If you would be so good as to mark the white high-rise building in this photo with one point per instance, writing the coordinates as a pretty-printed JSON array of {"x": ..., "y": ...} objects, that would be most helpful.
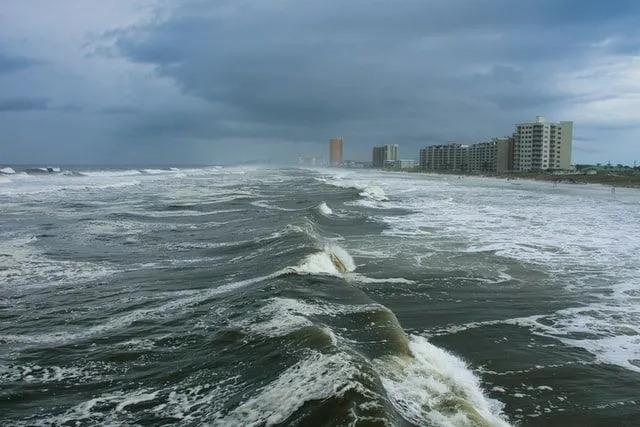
[{"x": 543, "y": 145}]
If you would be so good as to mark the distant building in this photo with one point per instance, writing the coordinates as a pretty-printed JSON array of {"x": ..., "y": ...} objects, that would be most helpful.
[
  {"x": 448, "y": 157},
  {"x": 493, "y": 156},
  {"x": 335, "y": 151},
  {"x": 543, "y": 145},
  {"x": 406, "y": 164},
  {"x": 355, "y": 164},
  {"x": 308, "y": 161},
  {"x": 385, "y": 155}
]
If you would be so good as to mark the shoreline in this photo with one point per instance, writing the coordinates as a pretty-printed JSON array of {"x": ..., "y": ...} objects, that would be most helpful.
[
  {"x": 610, "y": 179},
  {"x": 623, "y": 180}
]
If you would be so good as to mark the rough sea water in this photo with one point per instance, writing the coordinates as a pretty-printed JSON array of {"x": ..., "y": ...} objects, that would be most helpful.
[{"x": 262, "y": 296}]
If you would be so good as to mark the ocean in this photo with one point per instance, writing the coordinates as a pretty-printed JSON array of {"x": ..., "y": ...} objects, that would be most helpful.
[{"x": 257, "y": 296}]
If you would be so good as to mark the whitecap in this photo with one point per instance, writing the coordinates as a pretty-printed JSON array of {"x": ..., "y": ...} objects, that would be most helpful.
[
  {"x": 333, "y": 261},
  {"x": 317, "y": 377},
  {"x": 111, "y": 173},
  {"x": 434, "y": 387},
  {"x": 374, "y": 192},
  {"x": 324, "y": 209}
]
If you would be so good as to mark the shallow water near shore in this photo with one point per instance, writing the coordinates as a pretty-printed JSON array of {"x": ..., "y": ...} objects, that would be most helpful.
[{"x": 265, "y": 296}]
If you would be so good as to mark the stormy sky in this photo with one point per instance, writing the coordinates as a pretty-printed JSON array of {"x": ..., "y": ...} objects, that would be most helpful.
[{"x": 212, "y": 82}]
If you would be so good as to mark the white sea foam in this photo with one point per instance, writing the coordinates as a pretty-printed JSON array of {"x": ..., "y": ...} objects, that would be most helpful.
[
  {"x": 374, "y": 192},
  {"x": 8, "y": 171},
  {"x": 366, "y": 203},
  {"x": 189, "y": 404},
  {"x": 111, "y": 173},
  {"x": 135, "y": 399},
  {"x": 333, "y": 261},
  {"x": 609, "y": 331},
  {"x": 364, "y": 279},
  {"x": 369, "y": 190},
  {"x": 120, "y": 322},
  {"x": 270, "y": 206},
  {"x": 25, "y": 268},
  {"x": 590, "y": 253},
  {"x": 317, "y": 377},
  {"x": 199, "y": 402},
  {"x": 435, "y": 387},
  {"x": 175, "y": 213},
  {"x": 33, "y": 373},
  {"x": 281, "y": 316},
  {"x": 108, "y": 408},
  {"x": 155, "y": 171},
  {"x": 324, "y": 209}
]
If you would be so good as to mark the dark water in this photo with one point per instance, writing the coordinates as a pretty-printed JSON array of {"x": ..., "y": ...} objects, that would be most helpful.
[{"x": 263, "y": 296}]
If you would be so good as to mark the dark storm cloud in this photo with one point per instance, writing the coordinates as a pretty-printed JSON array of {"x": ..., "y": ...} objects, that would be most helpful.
[
  {"x": 119, "y": 109},
  {"x": 412, "y": 72},
  {"x": 69, "y": 107},
  {"x": 9, "y": 64},
  {"x": 23, "y": 104},
  {"x": 501, "y": 73},
  {"x": 356, "y": 65}
]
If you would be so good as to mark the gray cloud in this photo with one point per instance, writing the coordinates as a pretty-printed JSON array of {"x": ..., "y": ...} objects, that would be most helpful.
[
  {"x": 287, "y": 75},
  {"x": 501, "y": 73},
  {"x": 350, "y": 66},
  {"x": 24, "y": 104},
  {"x": 9, "y": 64},
  {"x": 119, "y": 109}
]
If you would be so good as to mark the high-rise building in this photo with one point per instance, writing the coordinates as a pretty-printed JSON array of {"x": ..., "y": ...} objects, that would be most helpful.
[
  {"x": 493, "y": 156},
  {"x": 335, "y": 151},
  {"x": 543, "y": 145},
  {"x": 385, "y": 155},
  {"x": 448, "y": 157}
]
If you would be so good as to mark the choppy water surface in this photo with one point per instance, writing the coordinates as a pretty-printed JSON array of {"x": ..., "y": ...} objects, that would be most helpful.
[{"x": 263, "y": 296}]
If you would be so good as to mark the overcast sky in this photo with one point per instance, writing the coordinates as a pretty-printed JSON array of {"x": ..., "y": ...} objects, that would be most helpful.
[{"x": 174, "y": 82}]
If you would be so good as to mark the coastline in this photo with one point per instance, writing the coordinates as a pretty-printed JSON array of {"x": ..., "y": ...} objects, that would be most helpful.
[{"x": 626, "y": 179}]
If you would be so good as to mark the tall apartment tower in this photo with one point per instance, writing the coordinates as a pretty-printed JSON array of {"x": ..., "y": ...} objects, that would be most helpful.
[
  {"x": 448, "y": 157},
  {"x": 385, "y": 155},
  {"x": 493, "y": 156},
  {"x": 543, "y": 145},
  {"x": 335, "y": 151}
]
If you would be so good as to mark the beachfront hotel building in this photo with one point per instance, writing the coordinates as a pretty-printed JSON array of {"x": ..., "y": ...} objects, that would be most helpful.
[
  {"x": 493, "y": 156},
  {"x": 542, "y": 145},
  {"x": 335, "y": 151},
  {"x": 448, "y": 157},
  {"x": 385, "y": 155},
  {"x": 539, "y": 145}
]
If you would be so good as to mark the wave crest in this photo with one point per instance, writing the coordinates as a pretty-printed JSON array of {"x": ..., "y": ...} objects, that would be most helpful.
[
  {"x": 436, "y": 387},
  {"x": 374, "y": 192},
  {"x": 7, "y": 171},
  {"x": 324, "y": 209},
  {"x": 332, "y": 261}
]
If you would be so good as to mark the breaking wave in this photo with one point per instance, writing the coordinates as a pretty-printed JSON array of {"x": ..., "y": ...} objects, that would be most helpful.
[
  {"x": 367, "y": 190},
  {"x": 7, "y": 171},
  {"x": 437, "y": 388},
  {"x": 324, "y": 209},
  {"x": 332, "y": 260}
]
